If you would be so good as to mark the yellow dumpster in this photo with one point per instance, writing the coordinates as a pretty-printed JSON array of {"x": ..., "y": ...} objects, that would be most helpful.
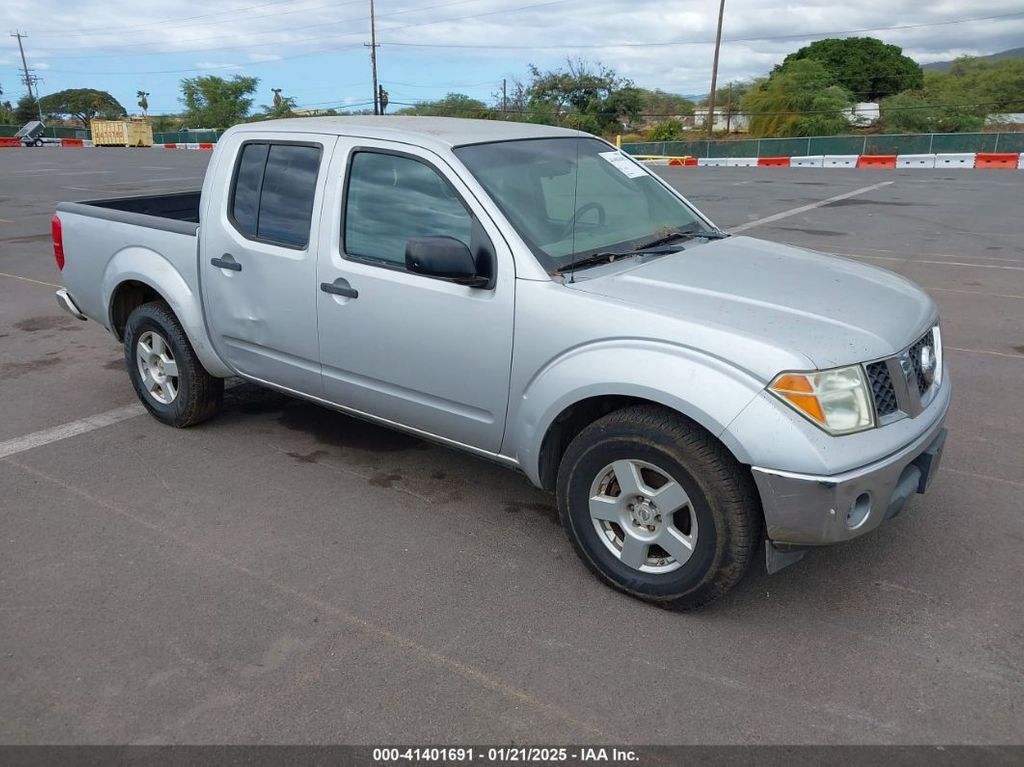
[{"x": 121, "y": 133}]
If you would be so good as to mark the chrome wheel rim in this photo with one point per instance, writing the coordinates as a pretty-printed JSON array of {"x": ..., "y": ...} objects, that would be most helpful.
[
  {"x": 643, "y": 516},
  {"x": 157, "y": 367}
]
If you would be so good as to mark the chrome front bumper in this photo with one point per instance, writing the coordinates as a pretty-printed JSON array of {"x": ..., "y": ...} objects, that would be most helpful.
[
  {"x": 810, "y": 510},
  {"x": 67, "y": 303}
]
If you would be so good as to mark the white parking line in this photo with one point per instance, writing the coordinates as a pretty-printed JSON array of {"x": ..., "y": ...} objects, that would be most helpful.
[
  {"x": 805, "y": 208},
  {"x": 910, "y": 261},
  {"x": 71, "y": 429},
  {"x": 973, "y": 292},
  {"x": 986, "y": 351},
  {"x": 29, "y": 279}
]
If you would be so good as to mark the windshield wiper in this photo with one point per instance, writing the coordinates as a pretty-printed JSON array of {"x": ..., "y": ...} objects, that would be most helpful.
[
  {"x": 609, "y": 256},
  {"x": 701, "y": 234}
]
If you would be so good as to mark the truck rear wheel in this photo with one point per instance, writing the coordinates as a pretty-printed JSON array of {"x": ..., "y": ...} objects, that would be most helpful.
[
  {"x": 164, "y": 369},
  {"x": 657, "y": 508}
]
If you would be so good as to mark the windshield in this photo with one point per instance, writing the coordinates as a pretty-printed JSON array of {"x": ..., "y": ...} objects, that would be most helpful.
[{"x": 569, "y": 198}]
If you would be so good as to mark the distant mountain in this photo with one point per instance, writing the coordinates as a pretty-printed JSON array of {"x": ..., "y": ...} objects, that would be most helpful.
[{"x": 1013, "y": 53}]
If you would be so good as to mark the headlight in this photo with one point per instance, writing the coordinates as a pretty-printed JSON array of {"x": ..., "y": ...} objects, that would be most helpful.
[{"x": 836, "y": 400}]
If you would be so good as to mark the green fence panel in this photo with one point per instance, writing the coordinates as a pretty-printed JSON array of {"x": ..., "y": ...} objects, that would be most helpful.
[
  {"x": 742, "y": 148},
  {"x": 954, "y": 143},
  {"x": 783, "y": 147},
  {"x": 11, "y": 130},
  {"x": 1010, "y": 142},
  {"x": 650, "y": 147},
  {"x": 898, "y": 144},
  {"x": 682, "y": 148},
  {"x": 837, "y": 145},
  {"x": 187, "y": 137}
]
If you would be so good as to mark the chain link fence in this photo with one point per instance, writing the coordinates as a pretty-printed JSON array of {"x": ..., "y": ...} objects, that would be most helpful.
[
  {"x": 896, "y": 143},
  {"x": 173, "y": 137},
  {"x": 7, "y": 131},
  {"x": 187, "y": 137}
]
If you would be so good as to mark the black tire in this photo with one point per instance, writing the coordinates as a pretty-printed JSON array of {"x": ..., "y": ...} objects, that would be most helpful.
[
  {"x": 723, "y": 502},
  {"x": 198, "y": 395}
]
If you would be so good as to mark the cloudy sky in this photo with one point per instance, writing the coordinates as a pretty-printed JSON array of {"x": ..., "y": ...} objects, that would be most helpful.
[{"x": 314, "y": 49}]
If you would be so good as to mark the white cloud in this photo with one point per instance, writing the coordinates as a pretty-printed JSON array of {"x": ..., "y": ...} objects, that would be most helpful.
[
  {"x": 217, "y": 66},
  {"x": 757, "y": 33}
]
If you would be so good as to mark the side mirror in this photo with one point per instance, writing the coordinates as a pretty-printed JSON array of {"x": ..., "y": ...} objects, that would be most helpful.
[{"x": 443, "y": 257}]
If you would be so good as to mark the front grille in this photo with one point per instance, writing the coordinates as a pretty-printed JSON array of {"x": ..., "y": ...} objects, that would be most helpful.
[
  {"x": 915, "y": 362},
  {"x": 882, "y": 389}
]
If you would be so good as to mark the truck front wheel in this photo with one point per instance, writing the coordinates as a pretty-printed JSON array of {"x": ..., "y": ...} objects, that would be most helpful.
[
  {"x": 166, "y": 374},
  {"x": 658, "y": 508}
]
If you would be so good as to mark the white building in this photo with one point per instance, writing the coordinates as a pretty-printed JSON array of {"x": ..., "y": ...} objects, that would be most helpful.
[
  {"x": 735, "y": 123},
  {"x": 862, "y": 114}
]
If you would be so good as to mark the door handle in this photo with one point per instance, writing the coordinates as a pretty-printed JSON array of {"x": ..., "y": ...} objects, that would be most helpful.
[
  {"x": 227, "y": 262},
  {"x": 339, "y": 287}
]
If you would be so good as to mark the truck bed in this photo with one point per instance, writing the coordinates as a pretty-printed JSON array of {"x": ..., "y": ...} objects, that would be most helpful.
[{"x": 180, "y": 206}]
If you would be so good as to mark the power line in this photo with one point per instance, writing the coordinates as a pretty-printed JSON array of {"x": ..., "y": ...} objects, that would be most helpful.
[
  {"x": 318, "y": 25},
  {"x": 189, "y": 21},
  {"x": 565, "y": 46},
  {"x": 797, "y": 36}
]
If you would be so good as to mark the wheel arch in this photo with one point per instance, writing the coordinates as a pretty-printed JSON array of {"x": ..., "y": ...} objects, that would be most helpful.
[
  {"x": 135, "y": 276},
  {"x": 557, "y": 405}
]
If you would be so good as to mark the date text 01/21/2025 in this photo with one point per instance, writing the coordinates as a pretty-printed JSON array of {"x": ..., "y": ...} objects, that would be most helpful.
[{"x": 501, "y": 754}]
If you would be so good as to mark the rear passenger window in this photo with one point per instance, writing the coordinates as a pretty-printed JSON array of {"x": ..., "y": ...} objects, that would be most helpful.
[
  {"x": 272, "y": 200},
  {"x": 245, "y": 202}
]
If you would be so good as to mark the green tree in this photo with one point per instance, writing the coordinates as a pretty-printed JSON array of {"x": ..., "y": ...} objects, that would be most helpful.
[
  {"x": 586, "y": 96},
  {"x": 958, "y": 99},
  {"x": 217, "y": 102},
  {"x": 666, "y": 130},
  {"x": 658, "y": 103},
  {"x": 799, "y": 100},
  {"x": 82, "y": 104},
  {"x": 452, "y": 105},
  {"x": 283, "y": 106},
  {"x": 25, "y": 110},
  {"x": 6, "y": 113},
  {"x": 866, "y": 67},
  {"x": 166, "y": 123}
]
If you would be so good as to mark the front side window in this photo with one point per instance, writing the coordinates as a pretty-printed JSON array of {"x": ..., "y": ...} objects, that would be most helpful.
[
  {"x": 275, "y": 185},
  {"x": 392, "y": 199},
  {"x": 571, "y": 197}
]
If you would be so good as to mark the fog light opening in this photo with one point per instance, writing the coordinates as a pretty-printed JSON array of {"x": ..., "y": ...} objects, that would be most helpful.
[{"x": 859, "y": 511}]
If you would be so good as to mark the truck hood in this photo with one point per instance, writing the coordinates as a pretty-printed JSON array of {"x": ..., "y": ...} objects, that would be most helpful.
[{"x": 831, "y": 310}]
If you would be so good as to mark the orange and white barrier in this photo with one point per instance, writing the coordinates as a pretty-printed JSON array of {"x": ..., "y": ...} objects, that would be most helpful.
[
  {"x": 915, "y": 161},
  {"x": 983, "y": 160}
]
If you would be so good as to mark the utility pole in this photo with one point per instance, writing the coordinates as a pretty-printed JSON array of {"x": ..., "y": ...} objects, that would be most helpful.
[
  {"x": 714, "y": 70},
  {"x": 728, "y": 111},
  {"x": 28, "y": 78},
  {"x": 504, "y": 98},
  {"x": 373, "y": 60}
]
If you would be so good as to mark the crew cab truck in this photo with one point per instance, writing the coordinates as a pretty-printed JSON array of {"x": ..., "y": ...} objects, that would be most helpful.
[{"x": 531, "y": 295}]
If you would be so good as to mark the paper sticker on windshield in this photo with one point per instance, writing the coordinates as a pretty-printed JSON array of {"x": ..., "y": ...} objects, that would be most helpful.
[{"x": 624, "y": 164}]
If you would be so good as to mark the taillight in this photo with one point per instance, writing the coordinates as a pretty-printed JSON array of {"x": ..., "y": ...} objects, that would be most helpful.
[{"x": 58, "y": 242}]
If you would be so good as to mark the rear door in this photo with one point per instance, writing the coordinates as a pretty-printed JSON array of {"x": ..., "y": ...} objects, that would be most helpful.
[
  {"x": 258, "y": 259},
  {"x": 415, "y": 350}
]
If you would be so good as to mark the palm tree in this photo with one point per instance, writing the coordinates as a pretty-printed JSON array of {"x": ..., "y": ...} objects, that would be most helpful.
[{"x": 143, "y": 101}]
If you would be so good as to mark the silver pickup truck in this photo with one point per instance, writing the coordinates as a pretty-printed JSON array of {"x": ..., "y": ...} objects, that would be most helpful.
[{"x": 531, "y": 295}]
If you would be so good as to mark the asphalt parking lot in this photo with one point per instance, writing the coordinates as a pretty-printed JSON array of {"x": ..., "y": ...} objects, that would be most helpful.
[{"x": 285, "y": 574}]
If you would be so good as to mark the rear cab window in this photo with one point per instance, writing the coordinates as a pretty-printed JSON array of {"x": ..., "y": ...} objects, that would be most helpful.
[{"x": 273, "y": 190}]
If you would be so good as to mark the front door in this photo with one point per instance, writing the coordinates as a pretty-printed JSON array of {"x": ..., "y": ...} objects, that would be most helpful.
[
  {"x": 258, "y": 260},
  {"x": 419, "y": 351}
]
